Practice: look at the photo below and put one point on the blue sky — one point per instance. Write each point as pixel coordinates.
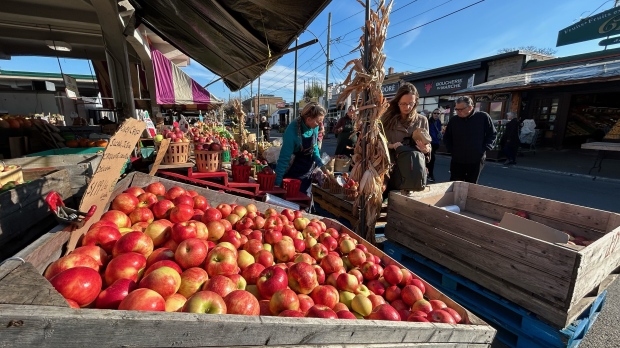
(475, 32)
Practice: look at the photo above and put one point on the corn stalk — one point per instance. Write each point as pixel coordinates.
(371, 170)
(241, 119)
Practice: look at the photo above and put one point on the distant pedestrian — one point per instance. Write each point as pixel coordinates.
(468, 136)
(434, 128)
(344, 130)
(510, 139)
(265, 127)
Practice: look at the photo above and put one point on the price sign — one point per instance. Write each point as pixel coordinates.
(104, 180)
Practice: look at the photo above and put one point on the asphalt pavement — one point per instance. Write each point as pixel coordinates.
(558, 175)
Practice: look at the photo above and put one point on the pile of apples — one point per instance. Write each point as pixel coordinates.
(205, 138)
(175, 135)
(349, 183)
(158, 250)
(244, 159)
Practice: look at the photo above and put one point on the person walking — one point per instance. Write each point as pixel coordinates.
(344, 130)
(265, 127)
(510, 139)
(434, 128)
(468, 136)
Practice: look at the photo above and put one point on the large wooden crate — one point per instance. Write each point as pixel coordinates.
(552, 280)
(24, 215)
(81, 168)
(33, 314)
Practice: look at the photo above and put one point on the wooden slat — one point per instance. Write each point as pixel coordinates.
(601, 146)
(46, 249)
(530, 251)
(461, 190)
(598, 260)
(532, 282)
(25, 286)
(574, 214)
(39, 326)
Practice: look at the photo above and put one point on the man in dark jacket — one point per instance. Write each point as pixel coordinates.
(468, 136)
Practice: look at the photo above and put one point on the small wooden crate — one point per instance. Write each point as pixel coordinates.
(30, 309)
(549, 279)
(208, 161)
(24, 215)
(177, 153)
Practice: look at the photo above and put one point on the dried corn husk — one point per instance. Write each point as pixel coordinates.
(241, 118)
(371, 169)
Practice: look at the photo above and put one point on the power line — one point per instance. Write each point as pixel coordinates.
(599, 7)
(434, 20)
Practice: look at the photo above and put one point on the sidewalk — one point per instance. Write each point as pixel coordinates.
(564, 162)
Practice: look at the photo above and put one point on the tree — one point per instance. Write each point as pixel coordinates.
(314, 90)
(532, 49)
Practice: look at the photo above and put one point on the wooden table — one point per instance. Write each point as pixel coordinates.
(603, 149)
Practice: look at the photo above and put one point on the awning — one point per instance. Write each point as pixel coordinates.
(607, 69)
(227, 35)
(174, 87)
(283, 111)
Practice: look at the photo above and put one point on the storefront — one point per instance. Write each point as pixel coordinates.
(572, 100)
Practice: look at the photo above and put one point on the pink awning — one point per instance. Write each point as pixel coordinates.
(174, 86)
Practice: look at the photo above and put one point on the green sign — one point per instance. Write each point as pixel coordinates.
(610, 41)
(600, 25)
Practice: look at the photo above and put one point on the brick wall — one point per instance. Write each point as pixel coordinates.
(505, 67)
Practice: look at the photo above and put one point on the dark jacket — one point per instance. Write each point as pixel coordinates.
(511, 133)
(468, 138)
(434, 129)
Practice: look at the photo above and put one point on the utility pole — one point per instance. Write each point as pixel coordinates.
(362, 221)
(328, 63)
(256, 114)
(295, 85)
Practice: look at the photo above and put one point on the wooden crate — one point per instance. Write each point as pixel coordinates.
(80, 167)
(32, 313)
(24, 215)
(340, 207)
(11, 175)
(549, 279)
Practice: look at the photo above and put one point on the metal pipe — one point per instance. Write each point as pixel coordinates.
(362, 222)
(295, 85)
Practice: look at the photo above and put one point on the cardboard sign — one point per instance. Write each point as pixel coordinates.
(163, 148)
(533, 229)
(104, 180)
(71, 87)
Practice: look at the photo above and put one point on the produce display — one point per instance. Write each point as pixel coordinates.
(175, 135)
(85, 142)
(211, 137)
(169, 250)
(15, 122)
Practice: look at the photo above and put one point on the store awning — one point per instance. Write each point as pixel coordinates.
(607, 69)
(283, 111)
(226, 35)
(175, 87)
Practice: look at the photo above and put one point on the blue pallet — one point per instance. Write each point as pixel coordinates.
(516, 327)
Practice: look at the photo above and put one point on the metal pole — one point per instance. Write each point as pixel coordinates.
(256, 115)
(328, 63)
(295, 85)
(362, 222)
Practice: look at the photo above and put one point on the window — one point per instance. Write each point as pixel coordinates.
(495, 109)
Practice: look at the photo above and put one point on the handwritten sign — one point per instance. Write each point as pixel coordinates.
(104, 180)
(71, 87)
(163, 148)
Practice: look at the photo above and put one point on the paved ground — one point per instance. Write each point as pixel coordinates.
(559, 175)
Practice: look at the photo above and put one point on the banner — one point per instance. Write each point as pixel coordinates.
(603, 24)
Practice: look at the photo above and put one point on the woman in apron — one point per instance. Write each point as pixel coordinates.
(300, 141)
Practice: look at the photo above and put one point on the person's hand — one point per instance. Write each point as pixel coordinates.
(396, 145)
(425, 148)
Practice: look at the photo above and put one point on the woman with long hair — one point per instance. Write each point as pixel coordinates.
(400, 120)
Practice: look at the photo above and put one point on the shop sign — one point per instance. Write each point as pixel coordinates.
(280, 105)
(610, 41)
(501, 96)
(447, 84)
(603, 24)
(390, 88)
(483, 98)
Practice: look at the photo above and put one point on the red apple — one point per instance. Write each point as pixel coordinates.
(205, 302)
(357, 257)
(384, 312)
(392, 293)
(331, 263)
(181, 213)
(264, 258)
(411, 294)
(422, 306)
(271, 280)
(321, 311)
(133, 242)
(147, 200)
(192, 280)
(184, 199)
(71, 261)
(347, 282)
(136, 191)
(222, 261)
(392, 274)
(191, 253)
(159, 231)
(325, 295)
(156, 188)
(345, 314)
(282, 300)
(175, 302)
(216, 230)
(457, 317)
(241, 302)
(220, 285)
(143, 300)
(211, 214)
(102, 236)
(358, 274)
(111, 297)
(225, 209)
(419, 284)
(94, 251)
(290, 313)
(417, 318)
(440, 316)
(125, 266)
(164, 280)
(141, 214)
(376, 300)
(437, 304)
(79, 284)
(302, 278)
(200, 202)
(376, 287)
(318, 251)
(305, 302)
(370, 270)
(290, 215)
(140, 226)
(175, 192)
(284, 251)
(125, 202)
(320, 274)
(183, 230)
(159, 254)
(161, 209)
(252, 273)
(233, 237)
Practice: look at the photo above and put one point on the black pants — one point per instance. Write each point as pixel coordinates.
(510, 150)
(469, 172)
(431, 165)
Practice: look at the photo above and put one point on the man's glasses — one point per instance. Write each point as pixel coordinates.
(406, 104)
(459, 109)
